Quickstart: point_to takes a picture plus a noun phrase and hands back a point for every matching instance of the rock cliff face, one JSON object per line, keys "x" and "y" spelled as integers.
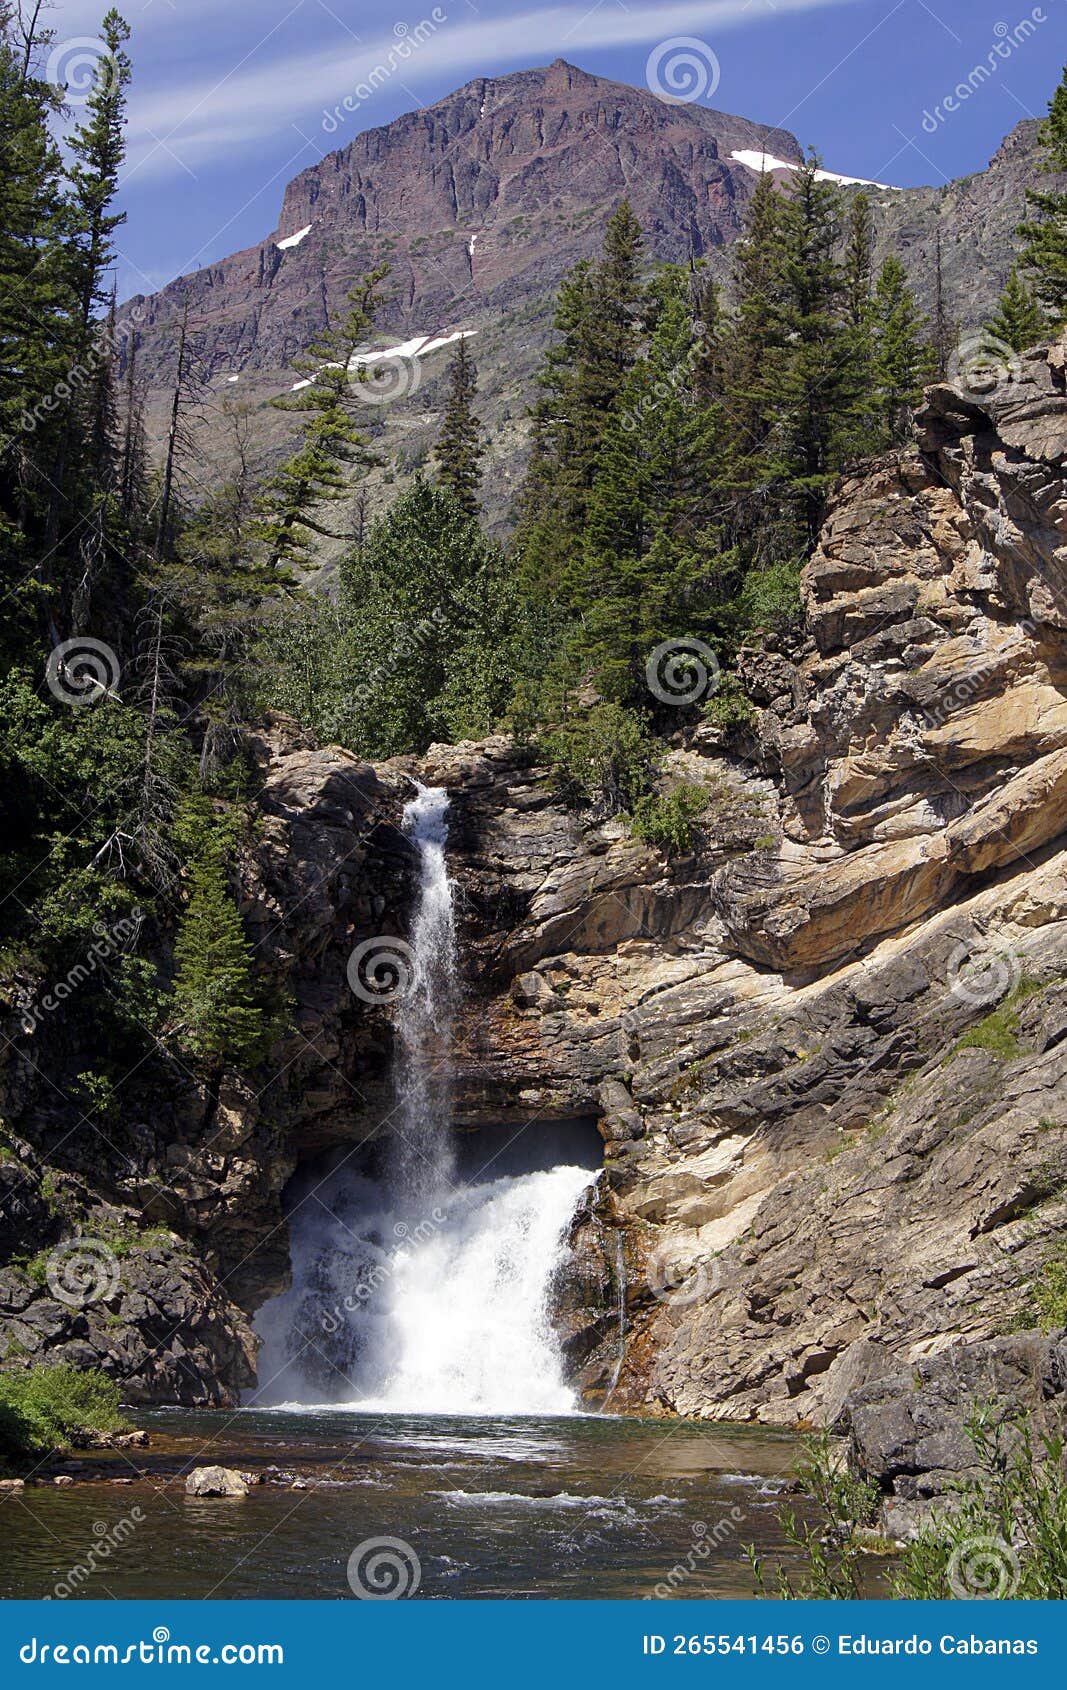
{"x": 826, "y": 1053}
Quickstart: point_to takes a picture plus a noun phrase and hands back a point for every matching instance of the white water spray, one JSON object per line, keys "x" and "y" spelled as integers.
{"x": 424, "y": 1292}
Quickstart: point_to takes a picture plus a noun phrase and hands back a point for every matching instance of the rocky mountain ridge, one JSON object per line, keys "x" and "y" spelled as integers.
{"x": 479, "y": 204}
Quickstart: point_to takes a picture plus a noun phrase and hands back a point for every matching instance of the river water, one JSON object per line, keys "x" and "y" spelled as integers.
{"x": 570, "y": 1506}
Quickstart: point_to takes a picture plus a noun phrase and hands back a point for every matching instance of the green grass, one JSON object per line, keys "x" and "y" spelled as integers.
{"x": 47, "y": 1409}
{"x": 998, "y": 1032}
{"x": 1048, "y": 1294}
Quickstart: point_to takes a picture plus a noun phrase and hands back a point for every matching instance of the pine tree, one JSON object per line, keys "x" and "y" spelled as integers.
{"x": 459, "y": 451}
{"x": 858, "y": 256}
{"x": 596, "y": 323}
{"x": 35, "y": 306}
{"x": 757, "y": 329}
{"x": 84, "y": 472}
{"x": 902, "y": 358}
{"x": 857, "y": 436}
{"x": 215, "y": 1000}
{"x": 1045, "y": 233}
{"x": 652, "y": 564}
{"x": 319, "y": 472}
{"x": 1018, "y": 320}
{"x": 813, "y": 392}
{"x": 97, "y": 149}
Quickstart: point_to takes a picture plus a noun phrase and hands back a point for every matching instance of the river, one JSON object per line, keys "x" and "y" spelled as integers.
{"x": 571, "y": 1506}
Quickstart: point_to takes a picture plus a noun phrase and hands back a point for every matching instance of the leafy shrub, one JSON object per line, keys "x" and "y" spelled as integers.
{"x": 605, "y": 759}
{"x": 828, "y": 1548}
{"x": 730, "y": 706}
{"x": 1006, "y": 1535}
{"x": 671, "y": 823}
{"x": 47, "y": 1408}
{"x": 770, "y": 598}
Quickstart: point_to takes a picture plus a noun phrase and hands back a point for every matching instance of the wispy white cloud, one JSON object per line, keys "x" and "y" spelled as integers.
{"x": 265, "y": 90}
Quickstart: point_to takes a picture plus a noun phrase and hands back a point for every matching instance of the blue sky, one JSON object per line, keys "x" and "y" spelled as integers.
{"x": 230, "y": 98}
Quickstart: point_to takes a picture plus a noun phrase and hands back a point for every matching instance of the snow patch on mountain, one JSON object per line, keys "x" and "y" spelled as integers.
{"x": 767, "y": 161}
{"x": 418, "y": 347}
{"x": 293, "y": 240}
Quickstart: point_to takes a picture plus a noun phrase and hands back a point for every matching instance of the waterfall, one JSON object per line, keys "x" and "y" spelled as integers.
{"x": 423, "y": 1127}
{"x": 424, "y": 1291}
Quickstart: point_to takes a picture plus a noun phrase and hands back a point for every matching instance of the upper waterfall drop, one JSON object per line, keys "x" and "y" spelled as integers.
{"x": 422, "y": 1070}
{"x": 427, "y": 1290}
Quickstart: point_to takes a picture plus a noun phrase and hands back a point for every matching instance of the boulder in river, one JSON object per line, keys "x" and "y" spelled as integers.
{"x": 216, "y": 1481}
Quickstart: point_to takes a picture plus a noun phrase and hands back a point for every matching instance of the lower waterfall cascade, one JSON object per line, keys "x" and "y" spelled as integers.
{"x": 423, "y": 1290}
